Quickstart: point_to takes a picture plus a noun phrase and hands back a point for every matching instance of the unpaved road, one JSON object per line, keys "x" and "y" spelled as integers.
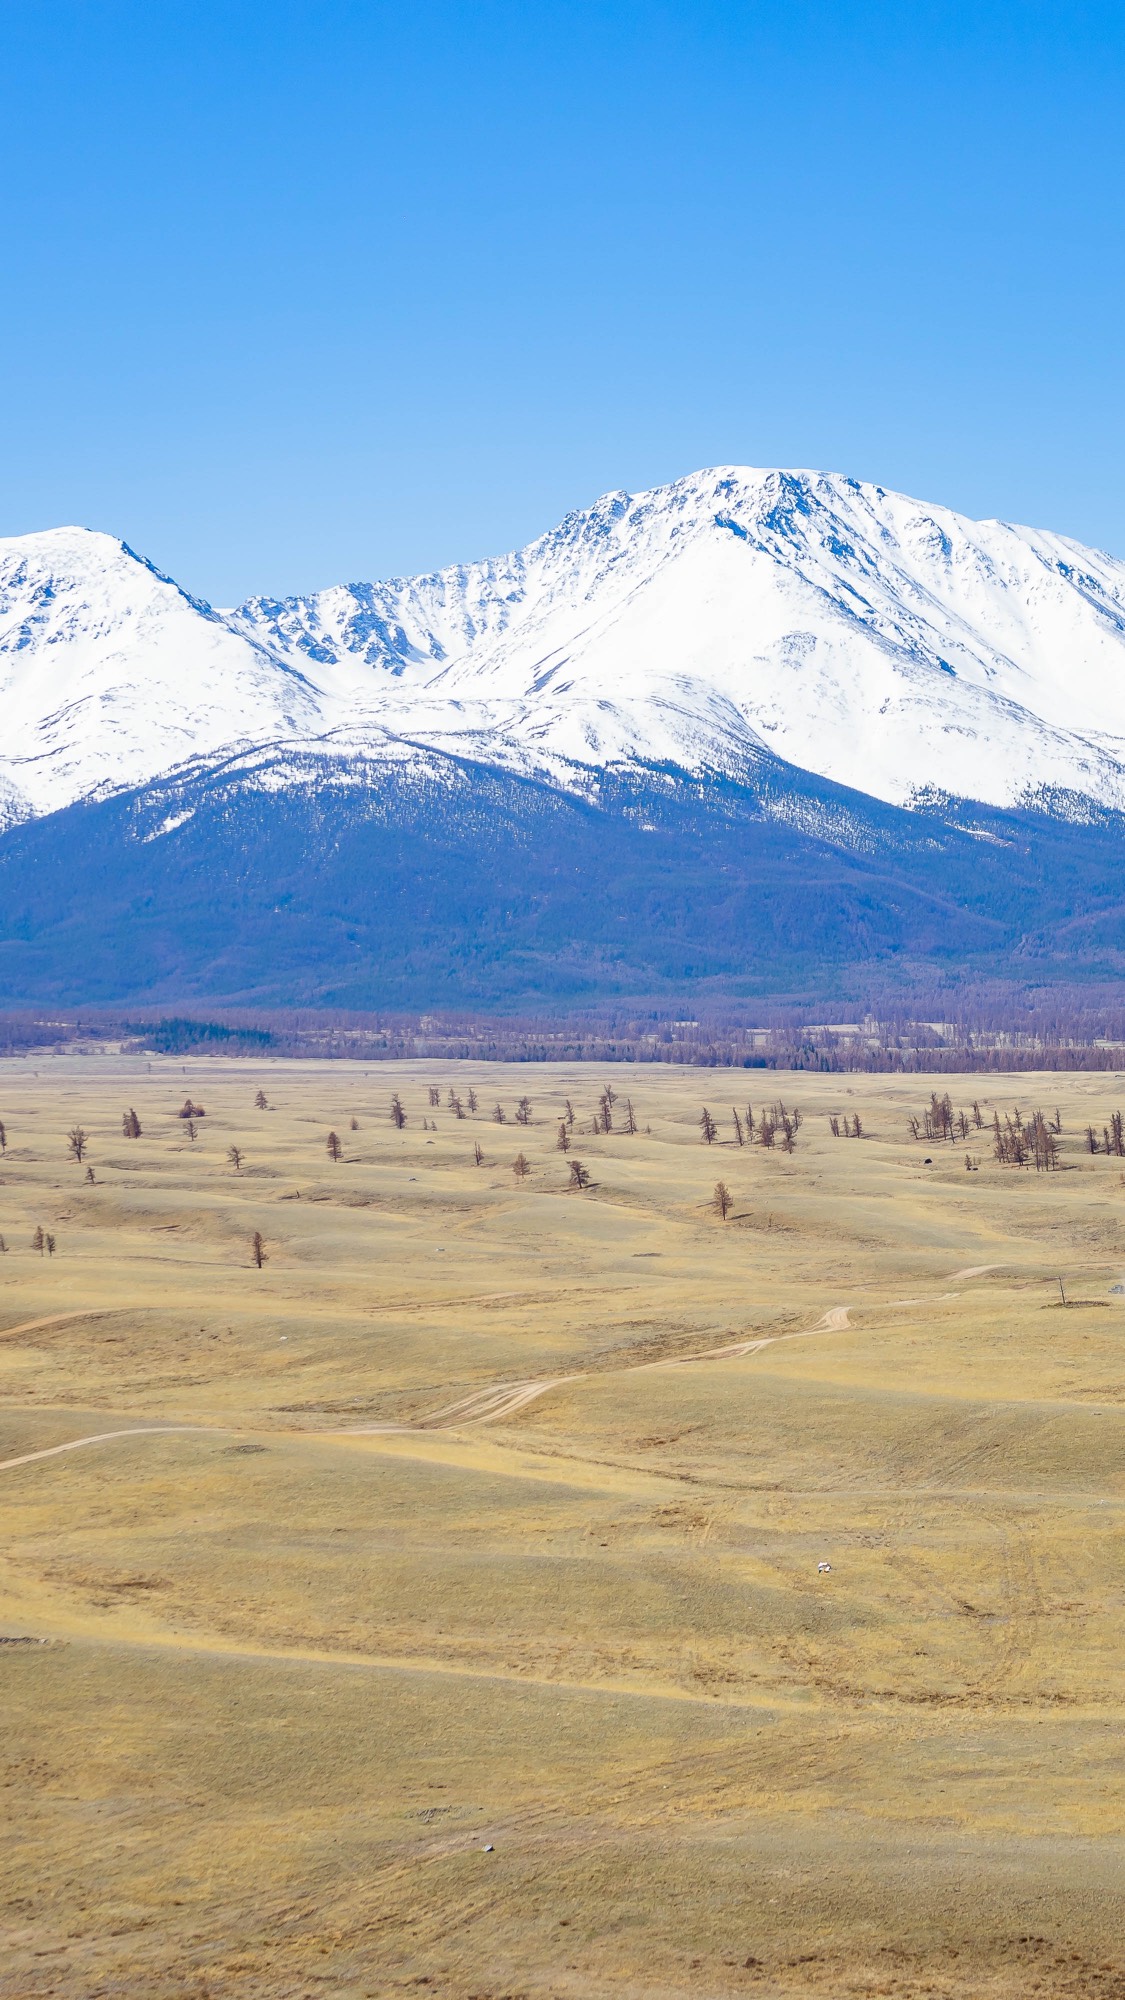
{"x": 483, "y": 1406}
{"x": 55, "y": 1319}
{"x": 103, "y": 1437}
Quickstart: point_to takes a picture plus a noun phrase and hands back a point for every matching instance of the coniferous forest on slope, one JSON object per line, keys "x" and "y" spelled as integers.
{"x": 366, "y": 887}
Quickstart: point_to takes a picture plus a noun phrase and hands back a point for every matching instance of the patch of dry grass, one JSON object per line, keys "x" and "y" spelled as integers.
{"x": 277, "y": 1681}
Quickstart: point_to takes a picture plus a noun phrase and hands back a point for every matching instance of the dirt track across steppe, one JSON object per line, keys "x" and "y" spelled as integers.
{"x": 503, "y": 1592}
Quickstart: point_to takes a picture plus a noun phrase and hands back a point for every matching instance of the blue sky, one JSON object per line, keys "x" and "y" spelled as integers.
{"x": 308, "y": 292}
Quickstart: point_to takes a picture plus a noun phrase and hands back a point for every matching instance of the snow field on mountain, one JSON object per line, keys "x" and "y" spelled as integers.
{"x": 892, "y": 647}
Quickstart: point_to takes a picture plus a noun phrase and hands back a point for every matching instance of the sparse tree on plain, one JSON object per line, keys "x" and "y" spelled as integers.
{"x": 579, "y": 1175}
{"x": 738, "y": 1133}
{"x": 630, "y": 1117}
{"x": 722, "y": 1201}
{"x": 258, "y": 1249}
{"x": 708, "y": 1127}
{"x": 50, "y": 1242}
{"x": 523, "y": 1111}
{"x": 398, "y": 1115}
{"x": 569, "y": 1115}
{"x": 76, "y": 1143}
{"x": 472, "y": 1101}
{"x": 563, "y": 1140}
{"x": 435, "y": 1096}
{"x": 130, "y": 1124}
{"x": 1044, "y": 1145}
{"x": 191, "y": 1130}
{"x": 38, "y": 1241}
{"x": 834, "y": 1126}
{"x": 261, "y": 1101}
{"x": 521, "y": 1166}
{"x": 3, "y": 1138}
{"x": 90, "y": 1175}
{"x": 786, "y": 1122}
{"x": 478, "y": 1154}
{"x": 606, "y": 1103}
{"x": 235, "y": 1156}
{"x": 3, "y": 1247}
{"x": 498, "y": 1114}
{"x": 353, "y": 1125}
{"x": 1091, "y": 1139}
{"x": 1010, "y": 1141}
{"x": 332, "y": 1146}
{"x": 457, "y": 1107}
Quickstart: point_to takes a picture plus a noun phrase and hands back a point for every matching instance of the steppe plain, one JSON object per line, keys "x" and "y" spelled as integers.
{"x": 353, "y": 1660}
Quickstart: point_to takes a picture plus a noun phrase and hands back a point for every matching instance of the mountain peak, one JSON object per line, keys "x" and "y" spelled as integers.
{"x": 892, "y": 646}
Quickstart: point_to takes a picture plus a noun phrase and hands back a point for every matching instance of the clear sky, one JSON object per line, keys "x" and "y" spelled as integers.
{"x": 311, "y": 291}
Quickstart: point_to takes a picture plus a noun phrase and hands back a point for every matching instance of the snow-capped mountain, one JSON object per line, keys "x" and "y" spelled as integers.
{"x": 729, "y": 619}
{"x": 109, "y": 674}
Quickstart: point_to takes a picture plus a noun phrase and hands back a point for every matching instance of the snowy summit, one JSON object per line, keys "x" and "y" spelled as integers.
{"x": 894, "y": 647}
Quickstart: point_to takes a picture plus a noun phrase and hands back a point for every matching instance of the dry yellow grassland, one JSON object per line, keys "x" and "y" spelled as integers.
{"x": 454, "y": 1622}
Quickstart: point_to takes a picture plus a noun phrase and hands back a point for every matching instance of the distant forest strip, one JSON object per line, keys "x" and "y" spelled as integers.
{"x": 1053, "y": 1036}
